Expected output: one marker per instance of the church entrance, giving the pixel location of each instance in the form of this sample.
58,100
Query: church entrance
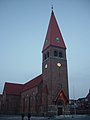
59,111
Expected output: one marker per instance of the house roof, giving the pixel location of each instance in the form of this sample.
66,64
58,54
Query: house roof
53,36
32,83
13,88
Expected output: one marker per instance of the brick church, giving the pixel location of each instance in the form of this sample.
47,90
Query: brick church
47,93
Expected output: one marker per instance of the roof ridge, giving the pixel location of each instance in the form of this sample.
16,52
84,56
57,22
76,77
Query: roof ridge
13,83
33,79
32,83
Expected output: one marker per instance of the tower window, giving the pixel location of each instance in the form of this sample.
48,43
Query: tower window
60,55
55,53
45,57
47,54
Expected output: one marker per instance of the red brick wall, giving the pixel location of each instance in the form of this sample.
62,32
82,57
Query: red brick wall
56,78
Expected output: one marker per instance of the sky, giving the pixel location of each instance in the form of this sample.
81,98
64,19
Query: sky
23,27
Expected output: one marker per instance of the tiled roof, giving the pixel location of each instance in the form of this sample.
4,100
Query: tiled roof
17,89
53,36
32,83
13,88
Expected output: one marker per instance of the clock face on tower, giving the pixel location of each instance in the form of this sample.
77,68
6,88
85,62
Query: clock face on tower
59,64
46,66
57,39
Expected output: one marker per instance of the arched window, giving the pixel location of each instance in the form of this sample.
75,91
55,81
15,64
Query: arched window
45,57
47,54
29,106
55,53
60,55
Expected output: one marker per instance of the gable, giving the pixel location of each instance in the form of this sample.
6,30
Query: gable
61,97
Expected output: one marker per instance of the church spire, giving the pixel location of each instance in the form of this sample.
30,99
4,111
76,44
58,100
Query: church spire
53,36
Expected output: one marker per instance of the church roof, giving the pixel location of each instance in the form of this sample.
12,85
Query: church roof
53,36
17,89
13,88
32,83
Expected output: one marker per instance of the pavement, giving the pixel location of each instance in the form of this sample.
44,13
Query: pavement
68,117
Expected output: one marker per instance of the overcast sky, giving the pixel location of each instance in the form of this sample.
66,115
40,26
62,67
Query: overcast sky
23,27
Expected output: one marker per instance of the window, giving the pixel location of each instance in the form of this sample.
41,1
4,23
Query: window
60,55
55,53
45,57
48,54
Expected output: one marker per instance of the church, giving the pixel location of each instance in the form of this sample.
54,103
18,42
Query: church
47,93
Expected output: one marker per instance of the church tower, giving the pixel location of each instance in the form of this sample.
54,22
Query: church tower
54,67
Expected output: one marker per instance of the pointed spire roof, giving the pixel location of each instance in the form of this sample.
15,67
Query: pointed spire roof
53,36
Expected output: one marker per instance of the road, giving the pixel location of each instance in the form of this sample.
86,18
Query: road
47,118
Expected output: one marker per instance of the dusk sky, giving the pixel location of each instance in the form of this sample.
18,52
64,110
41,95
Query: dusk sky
23,27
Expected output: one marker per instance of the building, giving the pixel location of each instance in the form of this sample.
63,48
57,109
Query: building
81,105
47,93
0,103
